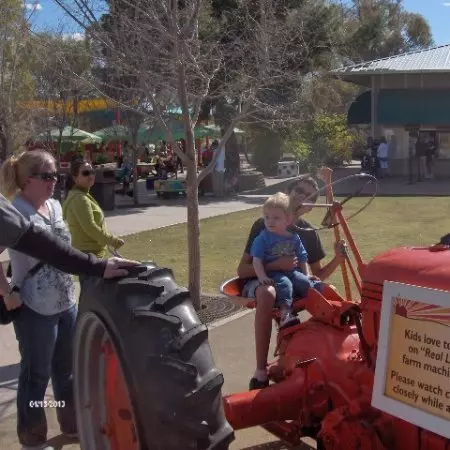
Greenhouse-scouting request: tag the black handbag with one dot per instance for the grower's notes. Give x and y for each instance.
(7, 316)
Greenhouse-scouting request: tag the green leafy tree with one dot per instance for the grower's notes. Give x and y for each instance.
(326, 140)
(381, 28)
(15, 80)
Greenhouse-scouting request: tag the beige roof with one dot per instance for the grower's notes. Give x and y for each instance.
(431, 60)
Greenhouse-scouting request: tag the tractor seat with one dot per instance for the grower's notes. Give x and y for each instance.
(233, 290)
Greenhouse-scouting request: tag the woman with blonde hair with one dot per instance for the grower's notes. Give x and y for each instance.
(46, 324)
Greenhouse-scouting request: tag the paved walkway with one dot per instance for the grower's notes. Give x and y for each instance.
(231, 356)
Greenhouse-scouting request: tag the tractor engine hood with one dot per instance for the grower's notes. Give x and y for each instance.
(419, 266)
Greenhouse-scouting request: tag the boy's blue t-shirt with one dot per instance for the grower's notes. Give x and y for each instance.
(269, 246)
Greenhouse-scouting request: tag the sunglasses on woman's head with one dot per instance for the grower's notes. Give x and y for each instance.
(302, 191)
(46, 176)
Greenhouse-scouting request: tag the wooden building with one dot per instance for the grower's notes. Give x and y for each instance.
(404, 96)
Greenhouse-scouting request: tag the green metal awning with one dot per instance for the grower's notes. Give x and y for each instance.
(403, 107)
(359, 112)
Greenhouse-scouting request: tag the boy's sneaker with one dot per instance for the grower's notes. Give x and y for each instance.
(37, 447)
(258, 384)
(289, 320)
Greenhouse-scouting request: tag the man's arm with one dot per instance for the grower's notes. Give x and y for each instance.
(325, 272)
(304, 267)
(19, 234)
(12, 224)
(47, 247)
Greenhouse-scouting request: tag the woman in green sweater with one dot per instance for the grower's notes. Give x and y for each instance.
(84, 215)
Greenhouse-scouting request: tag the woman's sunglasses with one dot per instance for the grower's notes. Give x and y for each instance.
(46, 176)
(300, 190)
(87, 172)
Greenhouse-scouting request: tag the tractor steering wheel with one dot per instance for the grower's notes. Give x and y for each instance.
(327, 223)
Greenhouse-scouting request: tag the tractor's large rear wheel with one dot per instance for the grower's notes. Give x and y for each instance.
(144, 373)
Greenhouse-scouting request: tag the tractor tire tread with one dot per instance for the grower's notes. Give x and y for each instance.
(166, 360)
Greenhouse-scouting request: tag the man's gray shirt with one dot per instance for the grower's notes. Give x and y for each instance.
(13, 225)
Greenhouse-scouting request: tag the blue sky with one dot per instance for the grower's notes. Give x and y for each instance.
(437, 12)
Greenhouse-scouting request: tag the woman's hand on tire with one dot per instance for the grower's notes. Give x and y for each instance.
(119, 243)
(117, 267)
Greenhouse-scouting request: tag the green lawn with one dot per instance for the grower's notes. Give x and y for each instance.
(386, 223)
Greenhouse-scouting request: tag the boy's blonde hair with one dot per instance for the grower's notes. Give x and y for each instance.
(17, 168)
(280, 201)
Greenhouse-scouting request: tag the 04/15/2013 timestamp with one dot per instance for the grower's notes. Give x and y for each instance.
(47, 404)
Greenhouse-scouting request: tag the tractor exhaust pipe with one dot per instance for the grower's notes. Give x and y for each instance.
(281, 401)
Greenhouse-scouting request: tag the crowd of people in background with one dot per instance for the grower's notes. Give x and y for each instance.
(376, 158)
(423, 149)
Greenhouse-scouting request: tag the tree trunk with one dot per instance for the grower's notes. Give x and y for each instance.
(6, 140)
(193, 221)
(193, 231)
(3, 146)
(134, 154)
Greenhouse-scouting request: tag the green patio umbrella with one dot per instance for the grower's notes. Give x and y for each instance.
(114, 133)
(123, 133)
(156, 134)
(69, 134)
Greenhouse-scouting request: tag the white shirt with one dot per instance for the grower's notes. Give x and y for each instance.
(382, 151)
(49, 291)
(220, 163)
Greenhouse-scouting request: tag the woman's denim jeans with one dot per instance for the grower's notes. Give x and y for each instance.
(45, 345)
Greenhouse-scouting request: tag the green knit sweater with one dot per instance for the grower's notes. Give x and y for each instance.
(86, 222)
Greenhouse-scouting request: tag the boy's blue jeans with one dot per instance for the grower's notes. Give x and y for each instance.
(292, 284)
(45, 345)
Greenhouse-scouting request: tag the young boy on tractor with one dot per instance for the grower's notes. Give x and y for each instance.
(275, 242)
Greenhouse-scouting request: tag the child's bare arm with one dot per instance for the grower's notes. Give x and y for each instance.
(258, 265)
(304, 267)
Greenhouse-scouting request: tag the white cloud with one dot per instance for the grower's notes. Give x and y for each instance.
(74, 36)
(33, 6)
(446, 4)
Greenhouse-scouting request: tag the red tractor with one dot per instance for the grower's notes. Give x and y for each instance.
(145, 376)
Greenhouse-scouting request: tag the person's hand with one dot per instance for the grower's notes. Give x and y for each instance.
(266, 281)
(120, 243)
(116, 267)
(286, 263)
(324, 173)
(314, 278)
(12, 301)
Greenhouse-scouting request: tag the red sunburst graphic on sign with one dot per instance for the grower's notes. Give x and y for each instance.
(421, 311)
